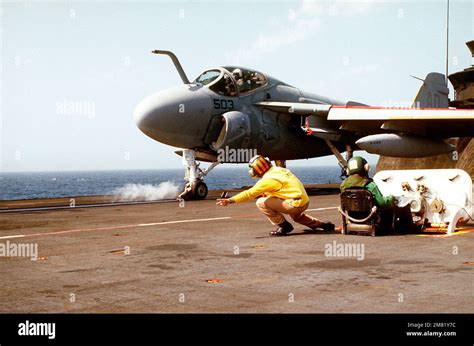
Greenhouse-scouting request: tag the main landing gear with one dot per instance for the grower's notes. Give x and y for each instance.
(195, 187)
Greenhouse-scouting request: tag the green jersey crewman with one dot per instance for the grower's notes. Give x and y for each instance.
(358, 170)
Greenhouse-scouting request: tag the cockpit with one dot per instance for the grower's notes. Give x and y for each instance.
(232, 81)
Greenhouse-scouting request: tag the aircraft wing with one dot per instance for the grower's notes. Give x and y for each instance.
(297, 108)
(380, 113)
(433, 122)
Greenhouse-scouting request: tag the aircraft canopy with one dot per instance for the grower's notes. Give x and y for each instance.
(231, 81)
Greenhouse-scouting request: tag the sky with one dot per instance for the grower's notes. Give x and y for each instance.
(73, 72)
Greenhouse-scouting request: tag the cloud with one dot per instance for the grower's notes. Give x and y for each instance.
(342, 8)
(300, 24)
(265, 43)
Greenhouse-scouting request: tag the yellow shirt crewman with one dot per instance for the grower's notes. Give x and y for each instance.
(281, 193)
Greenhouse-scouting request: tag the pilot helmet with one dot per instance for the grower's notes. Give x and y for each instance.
(357, 165)
(237, 73)
(259, 165)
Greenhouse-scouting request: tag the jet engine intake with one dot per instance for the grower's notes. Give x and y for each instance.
(236, 132)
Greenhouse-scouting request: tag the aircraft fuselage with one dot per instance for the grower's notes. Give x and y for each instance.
(209, 117)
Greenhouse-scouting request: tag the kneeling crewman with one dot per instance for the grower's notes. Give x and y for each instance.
(281, 193)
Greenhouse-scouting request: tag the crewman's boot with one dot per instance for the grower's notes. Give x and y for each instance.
(283, 229)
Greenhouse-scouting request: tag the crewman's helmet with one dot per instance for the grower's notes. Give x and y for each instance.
(237, 73)
(259, 165)
(357, 165)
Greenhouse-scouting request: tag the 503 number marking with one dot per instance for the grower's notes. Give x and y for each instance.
(223, 104)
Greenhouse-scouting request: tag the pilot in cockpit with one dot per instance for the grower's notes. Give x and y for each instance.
(247, 80)
(240, 79)
(238, 76)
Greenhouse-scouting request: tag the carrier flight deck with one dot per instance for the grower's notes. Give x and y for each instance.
(100, 256)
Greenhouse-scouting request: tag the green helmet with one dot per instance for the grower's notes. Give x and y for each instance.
(357, 165)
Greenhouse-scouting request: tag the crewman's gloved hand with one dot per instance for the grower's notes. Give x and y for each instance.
(403, 201)
(223, 202)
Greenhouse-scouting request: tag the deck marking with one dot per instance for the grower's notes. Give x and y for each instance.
(137, 225)
(13, 236)
(114, 227)
(318, 209)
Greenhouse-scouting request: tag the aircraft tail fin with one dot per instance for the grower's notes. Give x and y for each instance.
(433, 93)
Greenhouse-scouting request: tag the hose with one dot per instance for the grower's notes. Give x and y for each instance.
(372, 212)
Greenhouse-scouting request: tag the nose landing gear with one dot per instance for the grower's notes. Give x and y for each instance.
(195, 188)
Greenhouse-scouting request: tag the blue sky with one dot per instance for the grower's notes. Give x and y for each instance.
(72, 72)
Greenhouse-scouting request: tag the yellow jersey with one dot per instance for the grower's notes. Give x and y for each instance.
(277, 182)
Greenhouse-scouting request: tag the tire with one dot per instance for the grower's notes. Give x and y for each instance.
(200, 190)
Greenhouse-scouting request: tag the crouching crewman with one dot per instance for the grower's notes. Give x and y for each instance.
(282, 193)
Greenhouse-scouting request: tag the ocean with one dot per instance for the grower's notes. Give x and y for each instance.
(136, 184)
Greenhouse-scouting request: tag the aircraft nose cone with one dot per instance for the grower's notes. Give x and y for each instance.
(143, 113)
(168, 115)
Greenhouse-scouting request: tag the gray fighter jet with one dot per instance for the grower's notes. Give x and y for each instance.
(231, 108)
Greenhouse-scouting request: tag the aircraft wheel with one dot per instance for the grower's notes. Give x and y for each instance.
(200, 190)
